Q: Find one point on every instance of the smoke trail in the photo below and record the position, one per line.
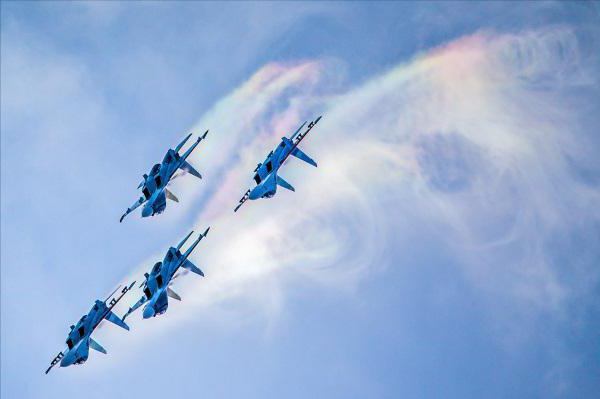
(472, 140)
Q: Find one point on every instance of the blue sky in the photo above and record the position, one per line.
(447, 245)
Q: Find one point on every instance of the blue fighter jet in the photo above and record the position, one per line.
(79, 340)
(266, 174)
(154, 185)
(157, 288)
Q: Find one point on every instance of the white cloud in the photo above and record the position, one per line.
(469, 140)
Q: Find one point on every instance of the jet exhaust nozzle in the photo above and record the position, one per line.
(148, 312)
(147, 211)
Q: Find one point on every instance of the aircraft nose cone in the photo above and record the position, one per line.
(147, 211)
(148, 312)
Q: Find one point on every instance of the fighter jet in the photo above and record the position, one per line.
(266, 173)
(79, 340)
(154, 185)
(157, 288)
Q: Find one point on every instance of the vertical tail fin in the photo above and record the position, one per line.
(189, 151)
(193, 246)
(182, 143)
(184, 240)
(185, 263)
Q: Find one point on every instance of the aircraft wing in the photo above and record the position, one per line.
(183, 164)
(242, 200)
(193, 146)
(56, 360)
(297, 131)
(189, 251)
(113, 302)
(134, 307)
(298, 138)
(137, 203)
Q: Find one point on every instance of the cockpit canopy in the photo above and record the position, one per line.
(263, 170)
(77, 332)
(170, 255)
(156, 267)
(155, 169)
(168, 158)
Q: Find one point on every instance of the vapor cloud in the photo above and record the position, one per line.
(474, 141)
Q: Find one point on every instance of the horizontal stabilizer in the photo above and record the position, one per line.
(191, 267)
(173, 294)
(113, 318)
(171, 196)
(284, 184)
(301, 155)
(139, 202)
(185, 165)
(134, 307)
(96, 346)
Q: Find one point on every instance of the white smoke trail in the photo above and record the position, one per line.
(471, 140)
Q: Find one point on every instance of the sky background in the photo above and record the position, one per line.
(448, 244)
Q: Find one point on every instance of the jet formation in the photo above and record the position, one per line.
(156, 287)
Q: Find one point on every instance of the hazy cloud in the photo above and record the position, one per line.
(470, 140)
